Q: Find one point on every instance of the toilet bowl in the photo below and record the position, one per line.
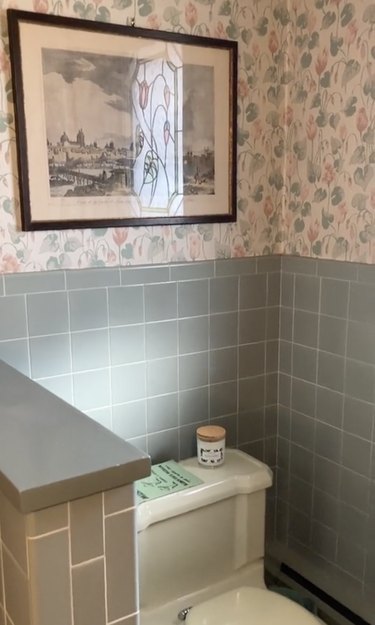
(249, 606)
(204, 547)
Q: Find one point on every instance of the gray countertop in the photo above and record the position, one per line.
(51, 452)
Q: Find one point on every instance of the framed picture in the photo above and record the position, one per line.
(121, 126)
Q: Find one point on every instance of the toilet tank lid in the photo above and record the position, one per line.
(241, 474)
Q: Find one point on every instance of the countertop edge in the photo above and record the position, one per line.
(56, 493)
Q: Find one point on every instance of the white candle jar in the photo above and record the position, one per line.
(211, 445)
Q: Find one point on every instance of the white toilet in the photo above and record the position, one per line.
(201, 551)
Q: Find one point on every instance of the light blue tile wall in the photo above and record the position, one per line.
(326, 420)
(153, 352)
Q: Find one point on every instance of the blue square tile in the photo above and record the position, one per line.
(223, 294)
(223, 399)
(16, 354)
(306, 296)
(103, 416)
(12, 317)
(193, 370)
(129, 420)
(223, 365)
(193, 298)
(128, 383)
(61, 385)
(328, 442)
(126, 305)
(194, 405)
(253, 291)
(251, 394)
(161, 376)
(91, 389)
(91, 278)
(252, 326)
(192, 271)
(334, 298)
(160, 302)
(88, 309)
(90, 350)
(223, 330)
(34, 282)
(161, 339)
(47, 313)
(127, 344)
(163, 446)
(50, 355)
(193, 335)
(162, 412)
(145, 275)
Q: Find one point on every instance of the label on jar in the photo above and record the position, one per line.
(211, 456)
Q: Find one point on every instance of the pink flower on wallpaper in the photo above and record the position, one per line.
(40, 6)
(288, 115)
(290, 165)
(304, 192)
(243, 88)
(220, 30)
(341, 212)
(273, 42)
(311, 127)
(195, 245)
(191, 14)
(329, 174)
(362, 120)
(372, 199)
(9, 264)
(351, 32)
(119, 236)
(321, 62)
(111, 257)
(268, 207)
(167, 231)
(343, 132)
(257, 131)
(313, 231)
(336, 2)
(153, 21)
(239, 250)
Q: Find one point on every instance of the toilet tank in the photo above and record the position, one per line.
(199, 536)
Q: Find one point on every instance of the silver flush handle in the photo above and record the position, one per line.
(183, 614)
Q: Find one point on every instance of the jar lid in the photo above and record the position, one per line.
(211, 433)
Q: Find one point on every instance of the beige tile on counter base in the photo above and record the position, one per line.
(48, 520)
(121, 565)
(50, 580)
(16, 591)
(86, 527)
(118, 499)
(13, 531)
(130, 620)
(88, 593)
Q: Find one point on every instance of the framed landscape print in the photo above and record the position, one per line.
(121, 126)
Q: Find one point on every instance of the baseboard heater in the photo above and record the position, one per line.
(323, 596)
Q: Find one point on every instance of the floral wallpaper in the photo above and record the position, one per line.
(306, 137)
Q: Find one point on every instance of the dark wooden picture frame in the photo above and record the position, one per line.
(121, 126)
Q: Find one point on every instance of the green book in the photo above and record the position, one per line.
(166, 478)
